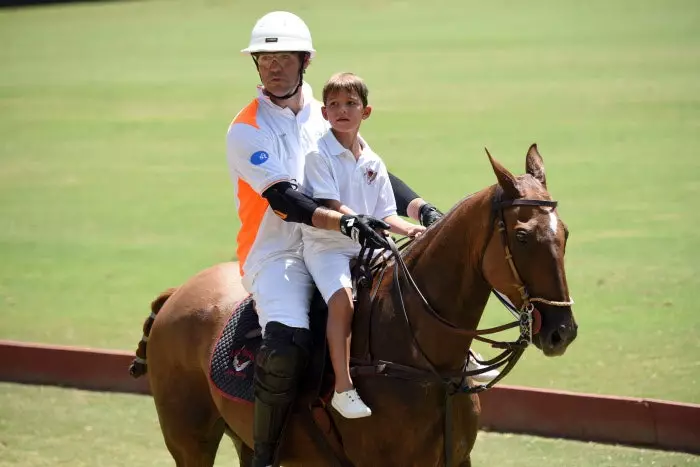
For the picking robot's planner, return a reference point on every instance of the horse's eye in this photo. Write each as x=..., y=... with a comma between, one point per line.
x=521, y=235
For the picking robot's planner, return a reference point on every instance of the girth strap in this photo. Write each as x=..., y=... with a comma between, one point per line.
x=332, y=449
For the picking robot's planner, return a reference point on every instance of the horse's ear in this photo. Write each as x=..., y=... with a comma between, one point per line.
x=505, y=178
x=534, y=165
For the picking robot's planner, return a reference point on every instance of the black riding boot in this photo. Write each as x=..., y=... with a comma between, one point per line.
x=279, y=366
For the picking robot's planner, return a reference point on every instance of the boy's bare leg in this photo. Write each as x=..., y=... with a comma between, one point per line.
x=339, y=332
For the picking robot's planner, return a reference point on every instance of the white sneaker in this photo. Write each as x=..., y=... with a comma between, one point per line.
x=483, y=378
x=349, y=404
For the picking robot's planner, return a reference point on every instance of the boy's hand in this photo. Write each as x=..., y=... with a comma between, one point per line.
x=415, y=231
x=364, y=230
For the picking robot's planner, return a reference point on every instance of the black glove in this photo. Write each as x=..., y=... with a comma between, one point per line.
x=363, y=229
x=428, y=214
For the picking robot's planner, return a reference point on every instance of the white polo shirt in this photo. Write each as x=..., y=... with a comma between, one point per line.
x=362, y=185
x=267, y=144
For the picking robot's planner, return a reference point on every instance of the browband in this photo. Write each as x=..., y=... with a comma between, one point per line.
x=526, y=202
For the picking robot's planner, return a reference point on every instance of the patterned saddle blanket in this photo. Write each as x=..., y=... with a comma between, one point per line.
x=232, y=362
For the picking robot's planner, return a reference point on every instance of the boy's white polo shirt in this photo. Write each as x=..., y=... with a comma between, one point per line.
x=267, y=144
x=362, y=185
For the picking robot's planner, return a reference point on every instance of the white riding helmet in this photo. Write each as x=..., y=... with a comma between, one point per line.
x=280, y=31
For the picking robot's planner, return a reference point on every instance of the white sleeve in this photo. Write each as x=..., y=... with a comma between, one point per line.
x=319, y=180
x=252, y=156
x=386, y=205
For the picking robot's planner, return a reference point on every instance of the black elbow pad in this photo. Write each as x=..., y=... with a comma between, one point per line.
x=289, y=204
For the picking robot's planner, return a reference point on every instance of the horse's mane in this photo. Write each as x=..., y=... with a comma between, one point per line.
x=460, y=212
x=526, y=184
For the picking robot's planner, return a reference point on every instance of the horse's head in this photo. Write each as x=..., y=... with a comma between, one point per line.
x=529, y=231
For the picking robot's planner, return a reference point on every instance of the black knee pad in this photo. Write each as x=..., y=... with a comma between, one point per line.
x=280, y=363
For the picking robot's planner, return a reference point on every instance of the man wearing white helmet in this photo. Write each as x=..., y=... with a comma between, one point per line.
x=267, y=143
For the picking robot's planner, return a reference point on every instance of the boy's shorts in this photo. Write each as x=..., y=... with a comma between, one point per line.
x=330, y=270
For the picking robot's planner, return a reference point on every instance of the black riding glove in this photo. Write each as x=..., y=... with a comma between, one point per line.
x=363, y=229
x=428, y=214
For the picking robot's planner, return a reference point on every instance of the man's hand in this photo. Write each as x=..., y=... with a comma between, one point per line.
x=429, y=214
x=364, y=230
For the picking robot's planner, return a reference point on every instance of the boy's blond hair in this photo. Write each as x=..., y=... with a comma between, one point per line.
x=348, y=82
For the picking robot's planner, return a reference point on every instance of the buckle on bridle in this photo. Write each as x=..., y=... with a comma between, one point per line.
x=526, y=324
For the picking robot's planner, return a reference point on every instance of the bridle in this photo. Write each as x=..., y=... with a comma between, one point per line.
x=527, y=314
x=457, y=382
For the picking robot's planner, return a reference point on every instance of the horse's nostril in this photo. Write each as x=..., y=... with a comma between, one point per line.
x=556, y=338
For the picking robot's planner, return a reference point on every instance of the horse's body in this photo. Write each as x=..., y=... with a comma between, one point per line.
x=456, y=264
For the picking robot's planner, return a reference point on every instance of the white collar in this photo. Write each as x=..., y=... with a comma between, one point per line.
x=307, y=96
x=336, y=149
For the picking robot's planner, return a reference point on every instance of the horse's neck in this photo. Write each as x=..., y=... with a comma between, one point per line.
x=446, y=266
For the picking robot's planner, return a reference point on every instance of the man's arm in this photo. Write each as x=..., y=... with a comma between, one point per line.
x=292, y=205
x=409, y=204
x=386, y=208
x=252, y=157
x=336, y=205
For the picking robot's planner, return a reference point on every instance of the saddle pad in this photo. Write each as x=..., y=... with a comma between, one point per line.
x=233, y=360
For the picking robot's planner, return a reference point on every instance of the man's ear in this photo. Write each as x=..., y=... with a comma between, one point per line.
x=365, y=113
x=324, y=113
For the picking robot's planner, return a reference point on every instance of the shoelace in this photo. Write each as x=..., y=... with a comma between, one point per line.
x=353, y=396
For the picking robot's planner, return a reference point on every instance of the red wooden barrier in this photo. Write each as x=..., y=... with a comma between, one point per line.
x=587, y=417
x=103, y=370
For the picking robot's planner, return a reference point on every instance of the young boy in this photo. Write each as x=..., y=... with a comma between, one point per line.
x=345, y=175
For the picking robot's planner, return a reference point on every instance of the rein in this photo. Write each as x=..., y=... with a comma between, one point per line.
x=456, y=382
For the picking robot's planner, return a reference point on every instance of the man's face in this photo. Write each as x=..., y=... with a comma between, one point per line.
x=344, y=110
x=279, y=71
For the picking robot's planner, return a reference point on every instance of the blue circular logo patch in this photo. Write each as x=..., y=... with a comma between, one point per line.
x=259, y=157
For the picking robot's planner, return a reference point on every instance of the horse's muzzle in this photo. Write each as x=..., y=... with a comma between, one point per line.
x=555, y=341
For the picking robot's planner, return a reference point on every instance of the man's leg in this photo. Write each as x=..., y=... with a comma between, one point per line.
x=282, y=291
x=279, y=367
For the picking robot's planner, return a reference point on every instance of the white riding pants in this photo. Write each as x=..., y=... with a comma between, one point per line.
x=282, y=290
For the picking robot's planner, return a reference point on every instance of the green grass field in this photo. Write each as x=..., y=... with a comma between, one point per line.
x=41, y=426
x=113, y=182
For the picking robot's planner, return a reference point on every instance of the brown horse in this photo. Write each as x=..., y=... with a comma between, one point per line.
x=506, y=237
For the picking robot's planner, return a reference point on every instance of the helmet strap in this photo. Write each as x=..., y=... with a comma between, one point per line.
x=303, y=56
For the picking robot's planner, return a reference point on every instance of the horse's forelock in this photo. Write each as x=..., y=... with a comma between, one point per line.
x=532, y=188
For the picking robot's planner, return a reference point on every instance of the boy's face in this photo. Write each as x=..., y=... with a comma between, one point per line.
x=344, y=111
